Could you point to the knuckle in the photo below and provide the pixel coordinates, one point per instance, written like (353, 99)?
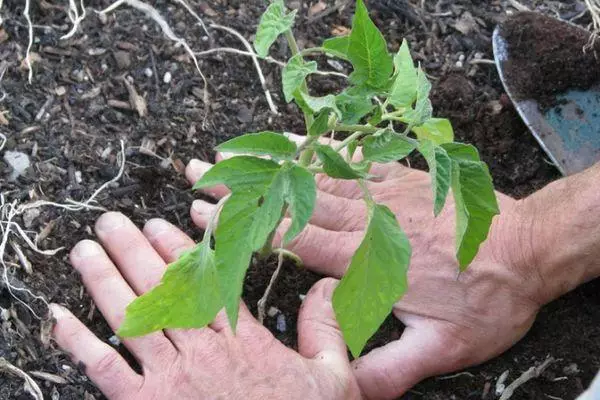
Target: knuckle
(108, 365)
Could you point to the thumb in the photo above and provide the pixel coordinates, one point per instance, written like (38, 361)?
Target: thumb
(390, 371)
(319, 336)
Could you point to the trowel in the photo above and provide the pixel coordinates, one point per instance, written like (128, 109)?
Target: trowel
(551, 71)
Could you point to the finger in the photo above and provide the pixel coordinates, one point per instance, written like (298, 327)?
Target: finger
(135, 257)
(391, 370)
(339, 213)
(168, 241)
(103, 364)
(195, 170)
(202, 212)
(323, 251)
(318, 330)
(112, 295)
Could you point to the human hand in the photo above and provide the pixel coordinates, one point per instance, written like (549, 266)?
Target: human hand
(451, 322)
(208, 363)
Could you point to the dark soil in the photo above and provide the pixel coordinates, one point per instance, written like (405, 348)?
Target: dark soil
(74, 144)
(547, 57)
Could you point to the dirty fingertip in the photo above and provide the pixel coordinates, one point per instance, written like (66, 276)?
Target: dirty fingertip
(195, 169)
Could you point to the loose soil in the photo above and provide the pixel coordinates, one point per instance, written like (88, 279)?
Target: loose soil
(540, 69)
(75, 142)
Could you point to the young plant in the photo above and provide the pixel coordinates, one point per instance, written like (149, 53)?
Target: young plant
(387, 113)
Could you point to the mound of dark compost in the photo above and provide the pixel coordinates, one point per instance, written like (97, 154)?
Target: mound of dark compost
(548, 57)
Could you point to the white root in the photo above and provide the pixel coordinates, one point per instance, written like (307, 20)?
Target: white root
(75, 17)
(262, 303)
(2, 141)
(248, 47)
(193, 13)
(153, 14)
(30, 41)
(30, 385)
(594, 7)
(8, 212)
(531, 373)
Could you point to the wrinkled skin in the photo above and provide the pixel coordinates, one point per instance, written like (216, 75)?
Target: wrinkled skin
(451, 321)
(208, 363)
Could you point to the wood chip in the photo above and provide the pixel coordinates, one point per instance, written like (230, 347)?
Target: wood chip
(316, 8)
(59, 380)
(3, 119)
(137, 102)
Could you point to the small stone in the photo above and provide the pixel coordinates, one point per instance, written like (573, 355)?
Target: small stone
(301, 297)
(461, 57)
(4, 314)
(123, 59)
(114, 340)
(60, 91)
(571, 369)
(29, 215)
(245, 115)
(281, 323)
(167, 77)
(18, 161)
(148, 72)
(103, 18)
(78, 177)
(273, 311)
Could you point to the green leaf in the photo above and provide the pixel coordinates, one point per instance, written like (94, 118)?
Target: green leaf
(321, 124)
(273, 23)
(334, 164)
(250, 215)
(314, 105)
(376, 117)
(386, 147)
(354, 104)
(300, 193)
(186, 297)
(367, 51)
(351, 148)
(404, 90)
(266, 143)
(440, 170)
(423, 108)
(337, 46)
(374, 281)
(438, 130)
(475, 200)
(293, 75)
(240, 173)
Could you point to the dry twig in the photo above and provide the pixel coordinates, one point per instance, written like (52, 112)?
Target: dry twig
(30, 385)
(531, 373)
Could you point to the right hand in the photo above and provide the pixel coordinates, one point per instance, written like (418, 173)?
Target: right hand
(450, 323)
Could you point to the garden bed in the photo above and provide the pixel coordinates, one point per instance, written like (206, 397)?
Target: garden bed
(76, 143)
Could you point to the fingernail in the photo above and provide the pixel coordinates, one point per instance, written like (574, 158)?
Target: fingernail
(156, 227)
(86, 248)
(57, 311)
(203, 208)
(110, 221)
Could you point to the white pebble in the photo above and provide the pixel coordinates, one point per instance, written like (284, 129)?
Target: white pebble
(273, 311)
(78, 177)
(167, 78)
(114, 340)
(18, 161)
(281, 323)
(461, 57)
(148, 72)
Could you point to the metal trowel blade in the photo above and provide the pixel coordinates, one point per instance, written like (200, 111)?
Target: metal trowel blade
(569, 131)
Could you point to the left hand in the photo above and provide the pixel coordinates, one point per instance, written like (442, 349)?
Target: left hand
(207, 363)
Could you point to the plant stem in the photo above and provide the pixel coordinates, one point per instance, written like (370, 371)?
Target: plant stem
(356, 128)
(262, 303)
(213, 219)
(368, 198)
(347, 141)
(267, 248)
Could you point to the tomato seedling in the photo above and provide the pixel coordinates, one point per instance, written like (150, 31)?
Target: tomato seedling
(387, 114)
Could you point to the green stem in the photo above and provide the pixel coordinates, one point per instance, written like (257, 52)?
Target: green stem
(348, 140)
(267, 248)
(368, 198)
(356, 128)
(292, 256)
(213, 219)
